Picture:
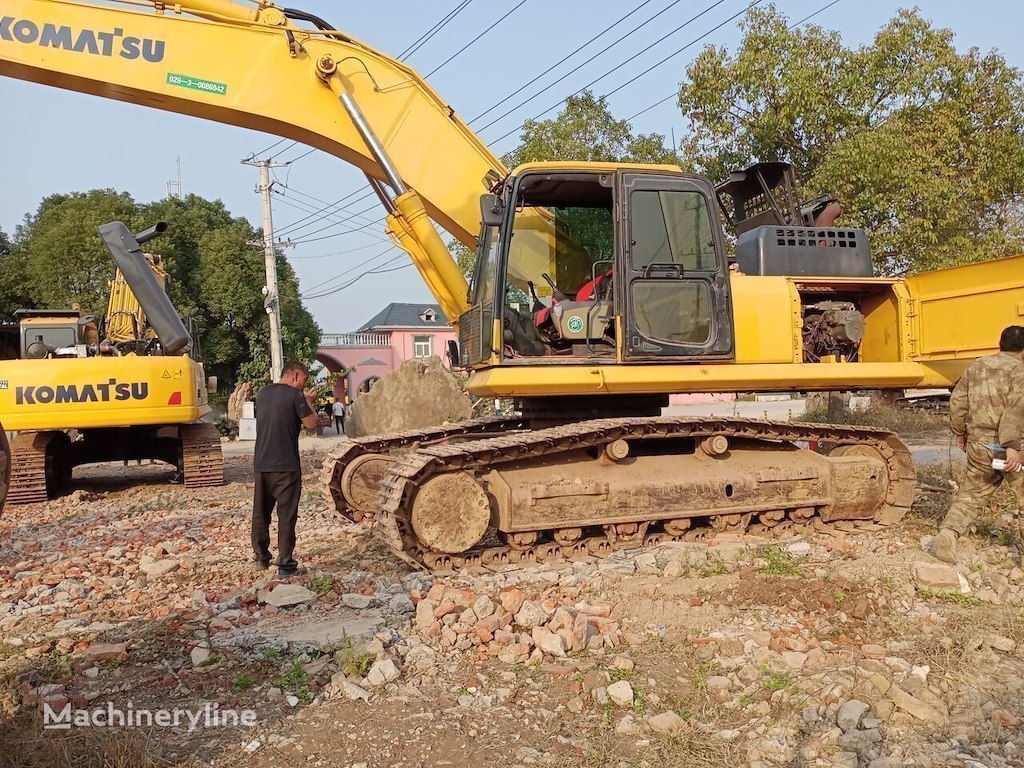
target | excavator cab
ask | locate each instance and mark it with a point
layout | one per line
(589, 264)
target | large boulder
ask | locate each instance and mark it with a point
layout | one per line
(421, 393)
(242, 393)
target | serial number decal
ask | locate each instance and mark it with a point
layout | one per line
(197, 84)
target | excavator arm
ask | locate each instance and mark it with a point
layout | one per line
(255, 67)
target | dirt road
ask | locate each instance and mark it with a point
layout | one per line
(848, 647)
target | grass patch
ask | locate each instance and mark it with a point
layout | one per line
(621, 674)
(958, 598)
(715, 566)
(903, 421)
(778, 562)
(242, 683)
(354, 663)
(775, 681)
(26, 745)
(297, 681)
(322, 583)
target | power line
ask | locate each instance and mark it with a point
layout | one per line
(308, 239)
(311, 208)
(276, 143)
(348, 284)
(619, 66)
(314, 293)
(688, 45)
(337, 206)
(675, 93)
(561, 61)
(580, 66)
(467, 45)
(430, 33)
(808, 18)
(291, 203)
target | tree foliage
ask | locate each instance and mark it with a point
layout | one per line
(924, 146)
(215, 273)
(586, 130)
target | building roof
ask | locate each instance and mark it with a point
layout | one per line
(397, 315)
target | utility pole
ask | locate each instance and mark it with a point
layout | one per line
(271, 300)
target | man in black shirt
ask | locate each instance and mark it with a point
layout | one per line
(282, 410)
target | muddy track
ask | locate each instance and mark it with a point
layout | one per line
(202, 456)
(337, 482)
(407, 474)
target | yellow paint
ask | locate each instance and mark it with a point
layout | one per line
(163, 377)
(562, 378)
(766, 315)
(959, 312)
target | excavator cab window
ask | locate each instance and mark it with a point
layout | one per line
(557, 283)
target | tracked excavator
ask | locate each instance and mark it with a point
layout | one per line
(129, 387)
(599, 289)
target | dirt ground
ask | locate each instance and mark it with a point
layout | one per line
(847, 647)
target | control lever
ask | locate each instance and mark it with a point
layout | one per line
(557, 292)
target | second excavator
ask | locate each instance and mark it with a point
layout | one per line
(599, 289)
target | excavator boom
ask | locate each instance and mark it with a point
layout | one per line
(256, 69)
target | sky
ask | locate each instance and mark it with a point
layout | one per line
(60, 141)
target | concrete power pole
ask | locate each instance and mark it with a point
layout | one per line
(271, 299)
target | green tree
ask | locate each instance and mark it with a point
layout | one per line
(586, 130)
(215, 274)
(63, 260)
(14, 294)
(923, 145)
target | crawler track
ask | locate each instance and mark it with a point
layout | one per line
(339, 485)
(409, 473)
(202, 456)
(5, 467)
(28, 467)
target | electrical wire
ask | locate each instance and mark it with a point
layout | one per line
(619, 66)
(582, 64)
(306, 209)
(333, 208)
(360, 276)
(560, 61)
(467, 45)
(314, 209)
(808, 18)
(430, 33)
(675, 93)
(685, 47)
(314, 293)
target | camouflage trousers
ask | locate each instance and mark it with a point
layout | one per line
(977, 489)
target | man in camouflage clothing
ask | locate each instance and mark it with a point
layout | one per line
(986, 413)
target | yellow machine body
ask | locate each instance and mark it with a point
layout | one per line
(101, 392)
(920, 332)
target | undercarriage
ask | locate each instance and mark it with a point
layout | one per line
(42, 462)
(490, 492)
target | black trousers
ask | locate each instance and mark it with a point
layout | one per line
(282, 489)
(339, 423)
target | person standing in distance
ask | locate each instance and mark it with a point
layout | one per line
(282, 410)
(986, 413)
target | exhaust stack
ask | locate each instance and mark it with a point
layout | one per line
(127, 254)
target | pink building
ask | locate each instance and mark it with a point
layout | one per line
(398, 333)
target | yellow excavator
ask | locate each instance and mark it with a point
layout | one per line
(599, 289)
(78, 391)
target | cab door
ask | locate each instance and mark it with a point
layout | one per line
(676, 300)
